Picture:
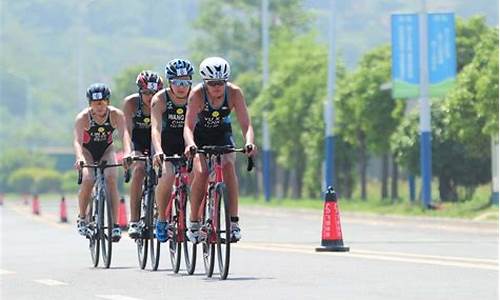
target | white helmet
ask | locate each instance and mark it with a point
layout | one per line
(215, 68)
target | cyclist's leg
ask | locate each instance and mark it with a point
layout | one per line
(163, 195)
(86, 185)
(138, 173)
(231, 181)
(164, 189)
(110, 175)
(198, 186)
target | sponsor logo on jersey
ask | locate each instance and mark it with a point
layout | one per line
(179, 111)
(215, 114)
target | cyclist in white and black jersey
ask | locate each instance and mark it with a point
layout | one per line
(208, 123)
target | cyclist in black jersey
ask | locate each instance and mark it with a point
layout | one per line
(93, 142)
(167, 120)
(137, 138)
(208, 123)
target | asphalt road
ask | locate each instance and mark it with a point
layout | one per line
(390, 258)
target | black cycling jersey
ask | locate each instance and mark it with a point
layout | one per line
(213, 126)
(98, 137)
(141, 132)
(172, 138)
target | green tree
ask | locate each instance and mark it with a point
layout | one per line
(232, 29)
(15, 158)
(451, 162)
(35, 180)
(366, 111)
(294, 102)
(124, 84)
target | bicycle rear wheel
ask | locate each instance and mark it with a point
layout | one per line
(174, 245)
(94, 244)
(208, 245)
(223, 230)
(189, 248)
(106, 225)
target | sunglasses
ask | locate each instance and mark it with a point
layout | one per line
(215, 82)
(181, 82)
(147, 92)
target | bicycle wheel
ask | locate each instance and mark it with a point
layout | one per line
(223, 229)
(174, 245)
(208, 244)
(189, 248)
(154, 245)
(106, 225)
(142, 241)
(94, 244)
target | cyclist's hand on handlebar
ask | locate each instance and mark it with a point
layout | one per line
(158, 159)
(127, 160)
(251, 149)
(190, 151)
(78, 164)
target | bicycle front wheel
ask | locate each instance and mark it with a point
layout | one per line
(143, 241)
(154, 245)
(189, 248)
(208, 244)
(94, 241)
(174, 244)
(106, 225)
(223, 229)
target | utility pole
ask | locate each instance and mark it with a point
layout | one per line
(266, 140)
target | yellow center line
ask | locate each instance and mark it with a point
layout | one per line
(464, 262)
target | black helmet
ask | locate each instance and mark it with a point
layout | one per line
(98, 91)
(178, 67)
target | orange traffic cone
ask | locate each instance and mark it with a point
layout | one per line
(35, 205)
(63, 213)
(331, 236)
(122, 214)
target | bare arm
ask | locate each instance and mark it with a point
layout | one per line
(240, 107)
(128, 112)
(195, 105)
(157, 110)
(78, 138)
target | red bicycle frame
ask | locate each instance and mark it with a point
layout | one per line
(181, 179)
(213, 181)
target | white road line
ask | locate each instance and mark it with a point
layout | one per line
(390, 253)
(116, 297)
(6, 272)
(50, 282)
(493, 265)
(46, 218)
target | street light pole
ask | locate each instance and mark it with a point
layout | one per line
(425, 112)
(329, 105)
(266, 141)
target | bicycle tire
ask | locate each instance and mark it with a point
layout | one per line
(106, 229)
(223, 229)
(174, 245)
(190, 249)
(143, 241)
(154, 246)
(208, 247)
(94, 242)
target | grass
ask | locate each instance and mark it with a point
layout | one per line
(476, 208)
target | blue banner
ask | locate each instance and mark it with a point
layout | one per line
(442, 53)
(405, 56)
